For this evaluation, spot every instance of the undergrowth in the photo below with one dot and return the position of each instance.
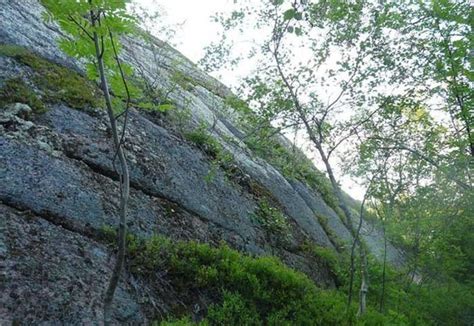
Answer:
(245, 290)
(253, 291)
(328, 256)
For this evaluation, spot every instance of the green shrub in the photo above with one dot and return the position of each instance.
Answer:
(219, 156)
(234, 310)
(108, 234)
(249, 290)
(256, 290)
(184, 81)
(204, 140)
(156, 107)
(151, 98)
(185, 321)
(329, 256)
(239, 106)
(272, 219)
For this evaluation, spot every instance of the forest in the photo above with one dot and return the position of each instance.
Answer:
(194, 189)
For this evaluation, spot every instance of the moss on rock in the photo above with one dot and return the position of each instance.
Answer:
(16, 90)
(57, 84)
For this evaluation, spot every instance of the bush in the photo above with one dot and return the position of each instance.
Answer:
(203, 139)
(234, 310)
(185, 321)
(272, 219)
(334, 261)
(255, 290)
(249, 290)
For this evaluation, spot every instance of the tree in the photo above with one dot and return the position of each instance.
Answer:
(421, 154)
(431, 51)
(379, 74)
(92, 27)
(314, 95)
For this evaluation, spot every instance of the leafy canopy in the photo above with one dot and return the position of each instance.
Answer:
(74, 18)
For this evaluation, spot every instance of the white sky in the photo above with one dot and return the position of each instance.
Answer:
(195, 30)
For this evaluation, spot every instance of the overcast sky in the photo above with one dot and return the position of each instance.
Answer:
(194, 30)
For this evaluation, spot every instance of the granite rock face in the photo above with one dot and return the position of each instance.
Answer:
(58, 188)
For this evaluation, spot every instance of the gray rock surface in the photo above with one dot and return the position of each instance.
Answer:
(374, 239)
(58, 187)
(319, 207)
(53, 276)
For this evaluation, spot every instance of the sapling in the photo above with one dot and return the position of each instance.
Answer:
(93, 28)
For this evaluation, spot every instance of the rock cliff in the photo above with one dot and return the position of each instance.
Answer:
(58, 186)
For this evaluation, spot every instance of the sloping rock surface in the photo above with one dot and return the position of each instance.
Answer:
(58, 188)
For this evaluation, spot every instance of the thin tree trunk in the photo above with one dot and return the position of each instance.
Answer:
(342, 204)
(363, 263)
(417, 250)
(464, 112)
(356, 234)
(352, 267)
(364, 271)
(317, 143)
(337, 190)
(382, 295)
(364, 286)
(124, 182)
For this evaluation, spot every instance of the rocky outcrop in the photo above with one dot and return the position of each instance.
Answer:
(51, 274)
(58, 187)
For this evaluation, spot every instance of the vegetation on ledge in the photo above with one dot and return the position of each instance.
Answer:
(246, 290)
(16, 90)
(262, 140)
(54, 83)
(272, 220)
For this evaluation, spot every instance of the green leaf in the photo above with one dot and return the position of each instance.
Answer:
(289, 14)
(166, 107)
